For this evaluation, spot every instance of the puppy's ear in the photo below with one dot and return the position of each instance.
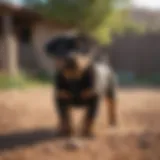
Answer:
(60, 46)
(51, 47)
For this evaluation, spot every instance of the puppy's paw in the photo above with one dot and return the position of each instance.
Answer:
(113, 123)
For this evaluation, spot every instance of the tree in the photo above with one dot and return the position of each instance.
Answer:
(98, 18)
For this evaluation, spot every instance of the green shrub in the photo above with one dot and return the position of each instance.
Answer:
(22, 81)
(10, 82)
(43, 77)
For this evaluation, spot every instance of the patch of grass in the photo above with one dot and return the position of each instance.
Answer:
(7, 82)
(21, 81)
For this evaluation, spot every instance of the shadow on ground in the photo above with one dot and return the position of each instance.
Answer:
(15, 140)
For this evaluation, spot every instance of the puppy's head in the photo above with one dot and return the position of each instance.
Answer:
(74, 52)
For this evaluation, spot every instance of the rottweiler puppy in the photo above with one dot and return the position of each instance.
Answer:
(80, 81)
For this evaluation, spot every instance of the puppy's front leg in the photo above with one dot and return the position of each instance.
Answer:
(91, 112)
(63, 100)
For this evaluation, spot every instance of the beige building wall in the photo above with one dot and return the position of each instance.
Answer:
(41, 33)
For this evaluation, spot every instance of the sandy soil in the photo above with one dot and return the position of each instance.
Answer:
(28, 120)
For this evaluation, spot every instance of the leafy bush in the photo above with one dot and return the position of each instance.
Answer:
(10, 82)
(23, 80)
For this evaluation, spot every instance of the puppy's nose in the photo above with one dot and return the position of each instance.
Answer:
(71, 63)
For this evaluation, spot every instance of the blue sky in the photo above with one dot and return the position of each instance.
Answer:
(153, 4)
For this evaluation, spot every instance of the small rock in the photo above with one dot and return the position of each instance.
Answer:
(48, 149)
(73, 144)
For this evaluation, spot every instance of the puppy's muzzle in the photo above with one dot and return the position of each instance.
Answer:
(70, 63)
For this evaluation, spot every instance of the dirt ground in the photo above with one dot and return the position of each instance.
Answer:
(28, 120)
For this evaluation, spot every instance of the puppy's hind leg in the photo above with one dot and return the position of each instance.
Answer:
(110, 102)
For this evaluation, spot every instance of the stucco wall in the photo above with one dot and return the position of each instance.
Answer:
(9, 61)
(41, 33)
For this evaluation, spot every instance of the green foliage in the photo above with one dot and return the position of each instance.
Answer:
(84, 14)
(99, 18)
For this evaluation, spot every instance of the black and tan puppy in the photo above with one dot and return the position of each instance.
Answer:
(80, 81)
